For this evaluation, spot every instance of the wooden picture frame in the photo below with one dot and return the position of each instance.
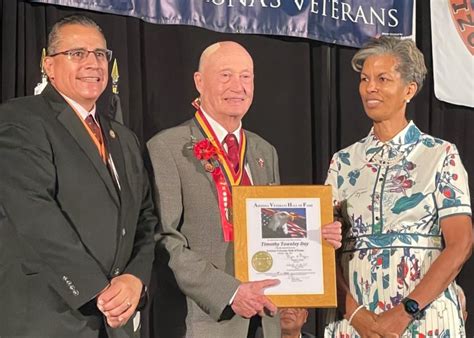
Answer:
(277, 235)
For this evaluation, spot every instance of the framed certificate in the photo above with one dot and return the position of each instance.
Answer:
(277, 234)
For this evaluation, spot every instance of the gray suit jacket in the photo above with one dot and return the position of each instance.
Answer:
(65, 229)
(194, 266)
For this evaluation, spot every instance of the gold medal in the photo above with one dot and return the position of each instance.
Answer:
(262, 261)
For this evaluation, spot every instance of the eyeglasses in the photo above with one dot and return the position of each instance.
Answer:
(81, 54)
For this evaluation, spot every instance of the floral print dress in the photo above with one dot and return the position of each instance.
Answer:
(392, 197)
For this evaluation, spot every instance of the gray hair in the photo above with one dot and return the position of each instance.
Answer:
(75, 19)
(411, 63)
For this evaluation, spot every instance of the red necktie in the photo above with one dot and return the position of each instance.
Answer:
(233, 155)
(94, 127)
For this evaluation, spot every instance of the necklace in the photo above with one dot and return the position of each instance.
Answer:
(387, 156)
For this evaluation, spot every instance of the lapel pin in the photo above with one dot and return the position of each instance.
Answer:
(209, 167)
(112, 133)
(261, 162)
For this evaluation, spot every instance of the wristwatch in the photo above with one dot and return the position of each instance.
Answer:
(413, 308)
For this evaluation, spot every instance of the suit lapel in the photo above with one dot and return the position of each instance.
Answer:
(197, 135)
(68, 118)
(252, 159)
(114, 147)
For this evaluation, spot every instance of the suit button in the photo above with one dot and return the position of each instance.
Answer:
(124, 232)
(116, 272)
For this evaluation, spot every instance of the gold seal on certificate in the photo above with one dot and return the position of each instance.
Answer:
(262, 261)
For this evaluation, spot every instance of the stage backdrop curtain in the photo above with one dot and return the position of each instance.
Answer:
(306, 94)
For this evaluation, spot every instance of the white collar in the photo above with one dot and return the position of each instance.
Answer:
(219, 130)
(80, 109)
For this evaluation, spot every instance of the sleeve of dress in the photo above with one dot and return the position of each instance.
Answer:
(332, 178)
(452, 187)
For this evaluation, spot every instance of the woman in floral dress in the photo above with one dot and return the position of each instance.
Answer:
(404, 199)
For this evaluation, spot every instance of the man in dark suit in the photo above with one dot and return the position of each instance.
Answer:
(195, 165)
(76, 215)
(292, 321)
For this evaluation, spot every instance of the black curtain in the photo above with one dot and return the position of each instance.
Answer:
(306, 94)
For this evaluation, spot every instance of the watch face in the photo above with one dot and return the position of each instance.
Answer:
(411, 306)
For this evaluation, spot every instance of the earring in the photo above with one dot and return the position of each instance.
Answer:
(407, 101)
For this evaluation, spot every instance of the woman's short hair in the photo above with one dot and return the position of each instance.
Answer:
(411, 63)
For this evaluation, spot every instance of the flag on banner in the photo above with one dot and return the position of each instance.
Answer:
(452, 30)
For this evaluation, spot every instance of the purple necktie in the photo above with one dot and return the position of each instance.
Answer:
(94, 127)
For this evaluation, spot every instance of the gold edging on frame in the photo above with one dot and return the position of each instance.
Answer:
(323, 192)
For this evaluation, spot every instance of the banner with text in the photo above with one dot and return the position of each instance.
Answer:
(344, 22)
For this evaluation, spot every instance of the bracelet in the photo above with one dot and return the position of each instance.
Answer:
(354, 313)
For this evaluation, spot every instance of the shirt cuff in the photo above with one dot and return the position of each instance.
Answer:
(233, 296)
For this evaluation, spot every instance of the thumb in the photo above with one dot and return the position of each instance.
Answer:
(267, 303)
(336, 225)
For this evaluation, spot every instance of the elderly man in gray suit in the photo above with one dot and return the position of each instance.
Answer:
(195, 165)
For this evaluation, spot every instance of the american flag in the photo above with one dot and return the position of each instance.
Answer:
(295, 223)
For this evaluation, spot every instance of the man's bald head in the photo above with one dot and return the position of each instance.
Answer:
(225, 83)
(221, 48)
